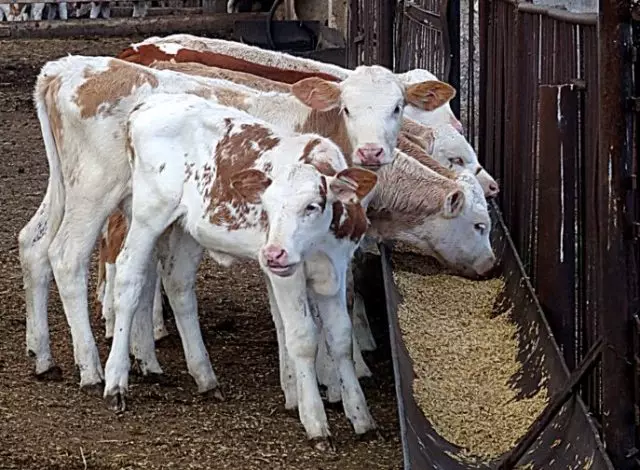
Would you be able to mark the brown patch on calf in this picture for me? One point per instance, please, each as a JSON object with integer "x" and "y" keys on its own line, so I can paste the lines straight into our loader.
{"x": 110, "y": 86}
{"x": 323, "y": 166}
{"x": 234, "y": 153}
{"x": 323, "y": 192}
{"x": 144, "y": 54}
{"x": 329, "y": 124}
{"x": 242, "y": 78}
{"x": 354, "y": 224}
{"x": 148, "y": 53}
{"x": 110, "y": 246}
{"x": 232, "y": 98}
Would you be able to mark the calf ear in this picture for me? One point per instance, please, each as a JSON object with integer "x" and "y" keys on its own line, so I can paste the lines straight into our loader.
{"x": 429, "y": 95}
{"x": 456, "y": 124}
{"x": 317, "y": 93}
{"x": 353, "y": 184}
{"x": 250, "y": 184}
{"x": 453, "y": 204}
{"x": 425, "y": 141}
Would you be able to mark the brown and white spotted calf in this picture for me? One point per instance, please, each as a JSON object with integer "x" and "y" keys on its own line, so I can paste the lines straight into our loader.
{"x": 450, "y": 147}
{"x": 222, "y": 180}
{"x": 82, "y": 105}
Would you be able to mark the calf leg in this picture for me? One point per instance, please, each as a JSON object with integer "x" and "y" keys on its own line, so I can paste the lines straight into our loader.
{"x": 362, "y": 330}
{"x": 36, "y": 11}
{"x": 159, "y": 329}
{"x": 287, "y": 369}
{"x": 142, "y": 343}
{"x": 108, "y": 312}
{"x": 62, "y": 10}
{"x": 181, "y": 257}
{"x": 133, "y": 267}
{"x": 69, "y": 253}
{"x": 139, "y": 9}
{"x": 336, "y": 322}
{"x": 34, "y": 240}
{"x": 301, "y": 339}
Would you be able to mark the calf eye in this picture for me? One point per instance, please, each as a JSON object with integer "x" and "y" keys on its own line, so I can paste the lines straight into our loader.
{"x": 480, "y": 228}
{"x": 312, "y": 208}
{"x": 457, "y": 161}
{"x": 345, "y": 111}
{"x": 396, "y": 110}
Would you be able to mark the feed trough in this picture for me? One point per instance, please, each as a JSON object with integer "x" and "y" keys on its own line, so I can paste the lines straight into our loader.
{"x": 559, "y": 436}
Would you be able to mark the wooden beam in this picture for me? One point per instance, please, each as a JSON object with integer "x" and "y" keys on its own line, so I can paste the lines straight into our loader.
{"x": 197, "y": 24}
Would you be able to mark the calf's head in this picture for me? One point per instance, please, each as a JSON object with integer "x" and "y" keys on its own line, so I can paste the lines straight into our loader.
{"x": 459, "y": 236}
{"x": 370, "y": 103}
{"x": 298, "y": 202}
{"x": 450, "y": 148}
{"x": 446, "y": 218}
{"x": 442, "y": 115}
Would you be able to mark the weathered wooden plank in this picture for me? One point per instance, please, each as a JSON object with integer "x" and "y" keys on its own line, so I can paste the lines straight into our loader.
{"x": 194, "y": 24}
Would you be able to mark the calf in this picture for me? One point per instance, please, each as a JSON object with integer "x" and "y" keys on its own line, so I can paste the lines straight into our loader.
{"x": 242, "y": 189}
{"x": 82, "y": 103}
{"x": 449, "y": 145}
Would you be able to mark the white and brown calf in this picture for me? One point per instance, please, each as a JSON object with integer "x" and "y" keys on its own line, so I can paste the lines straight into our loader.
{"x": 449, "y": 146}
{"x": 429, "y": 207}
{"x": 240, "y": 188}
{"x": 82, "y": 105}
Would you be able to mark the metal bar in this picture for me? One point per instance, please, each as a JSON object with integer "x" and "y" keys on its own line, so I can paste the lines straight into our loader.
{"x": 556, "y": 14}
{"x": 550, "y": 411}
{"x": 613, "y": 302}
{"x": 451, "y": 35}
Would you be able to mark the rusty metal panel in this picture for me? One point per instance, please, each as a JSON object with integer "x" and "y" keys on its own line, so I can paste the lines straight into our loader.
{"x": 613, "y": 278}
{"x": 424, "y": 37}
{"x": 370, "y": 29}
{"x": 557, "y": 255}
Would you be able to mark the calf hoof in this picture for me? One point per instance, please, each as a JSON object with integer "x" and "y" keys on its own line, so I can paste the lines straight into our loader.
{"x": 323, "y": 444}
{"x": 154, "y": 378}
{"x": 53, "y": 374}
{"x": 160, "y": 334}
{"x": 151, "y": 369}
{"x": 95, "y": 390}
{"x": 215, "y": 393}
{"x": 371, "y": 435}
{"x": 116, "y": 402}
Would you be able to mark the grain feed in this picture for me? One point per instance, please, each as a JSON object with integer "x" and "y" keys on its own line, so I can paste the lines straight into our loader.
{"x": 463, "y": 357}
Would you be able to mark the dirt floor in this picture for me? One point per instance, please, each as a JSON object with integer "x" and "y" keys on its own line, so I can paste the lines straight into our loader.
{"x": 54, "y": 425}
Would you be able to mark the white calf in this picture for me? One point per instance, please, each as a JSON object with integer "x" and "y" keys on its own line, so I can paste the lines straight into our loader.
{"x": 241, "y": 189}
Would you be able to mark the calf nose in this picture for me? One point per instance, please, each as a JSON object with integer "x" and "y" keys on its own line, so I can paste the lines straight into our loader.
{"x": 370, "y": 154}
{"x": 275, "y": 255}
{"x": 494, "y": 189}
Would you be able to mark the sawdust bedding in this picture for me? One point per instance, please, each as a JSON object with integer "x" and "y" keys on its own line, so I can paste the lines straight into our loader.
{"x": 464, "y": 356}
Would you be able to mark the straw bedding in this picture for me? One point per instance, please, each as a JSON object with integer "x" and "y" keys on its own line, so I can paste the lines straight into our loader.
{"x": 463, "y": 356}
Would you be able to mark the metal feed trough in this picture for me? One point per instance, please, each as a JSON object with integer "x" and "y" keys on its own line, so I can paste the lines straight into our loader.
{"x": 563, "y": 437}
